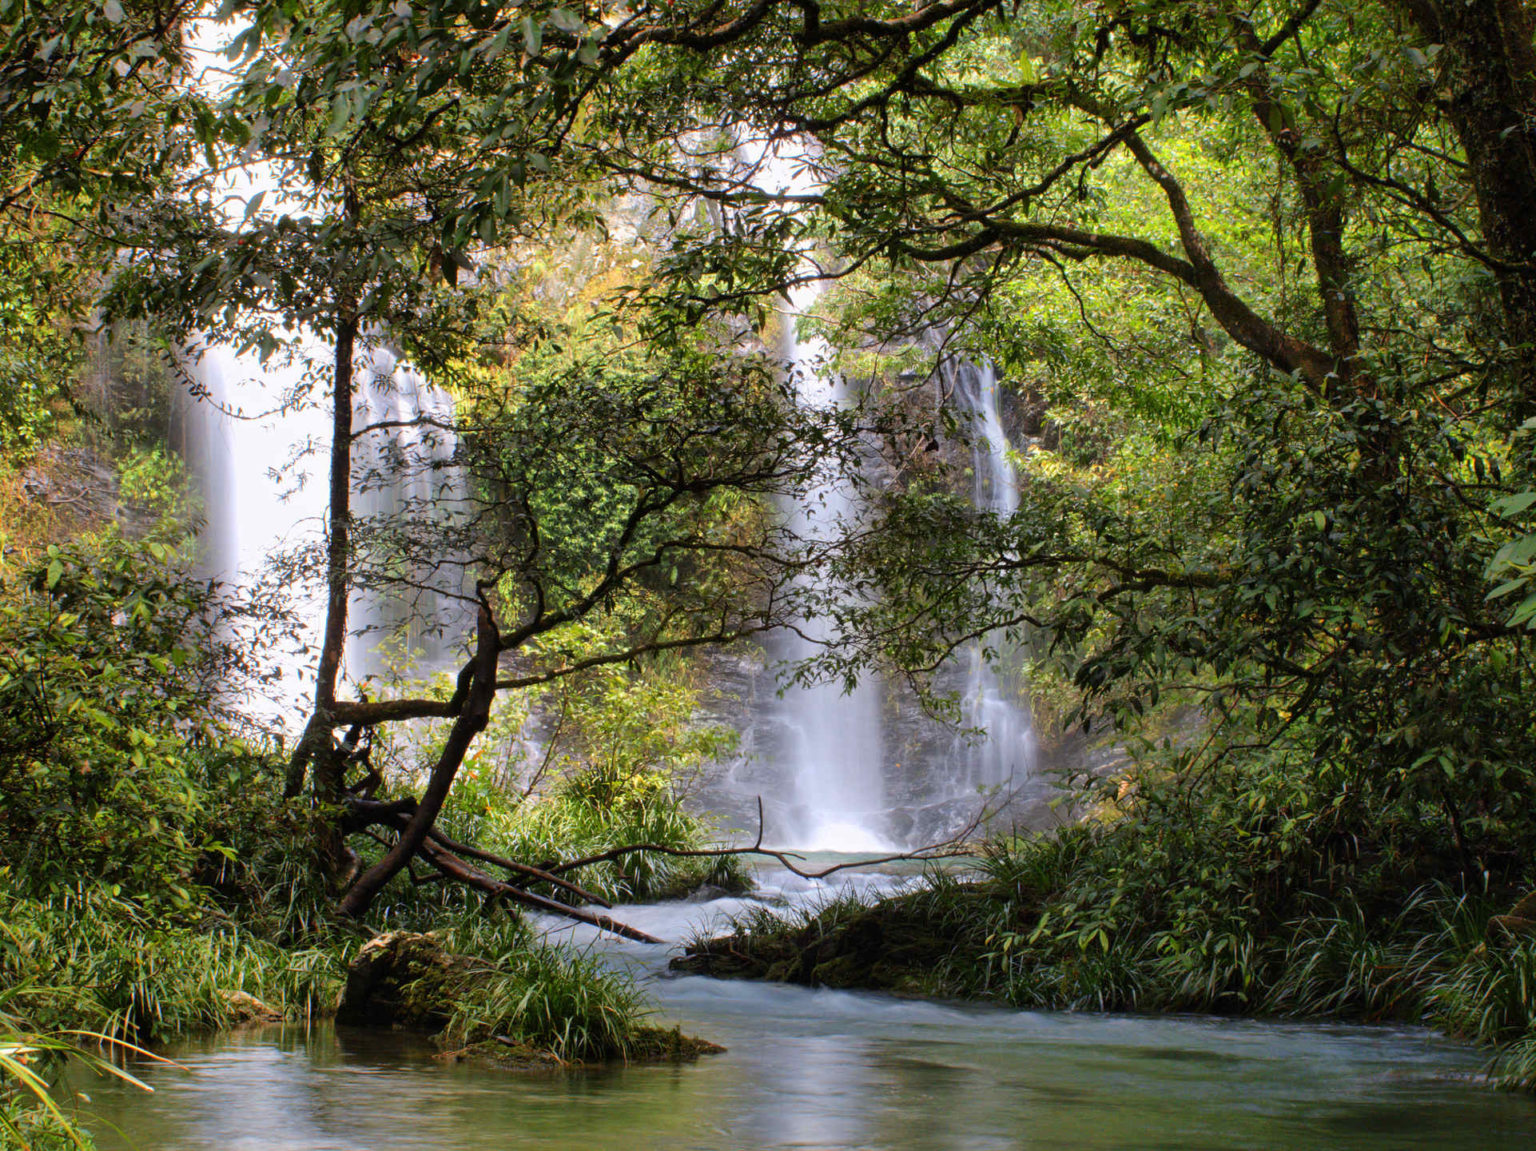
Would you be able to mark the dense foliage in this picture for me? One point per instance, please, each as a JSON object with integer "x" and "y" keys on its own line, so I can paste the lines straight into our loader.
{"x": 1259, "y": 279}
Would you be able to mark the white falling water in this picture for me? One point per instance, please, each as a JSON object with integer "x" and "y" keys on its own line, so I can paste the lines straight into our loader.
{"x": 995, "y": 753}
{"x": 259, "y": 442}
{"x": 260, "y": 447}
{"x": 833, "y": 741}
{"x": 866, "y": 770}
{"x": 405, "y": 479}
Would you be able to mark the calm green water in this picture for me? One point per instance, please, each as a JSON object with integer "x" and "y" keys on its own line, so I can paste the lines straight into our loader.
{"x": 828, "y": 1069}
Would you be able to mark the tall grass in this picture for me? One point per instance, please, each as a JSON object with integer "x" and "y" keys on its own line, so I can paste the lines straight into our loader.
{"x": 1096, "y": 918}
{"x": 549, "y": 998}
{"x": 86, "y": 958}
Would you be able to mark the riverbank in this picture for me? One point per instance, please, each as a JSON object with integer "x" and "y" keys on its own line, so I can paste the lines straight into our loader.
{"x": 87, "y": 976}
{"x": 1060, "y": 923}
{"x": 831, "y": 1069}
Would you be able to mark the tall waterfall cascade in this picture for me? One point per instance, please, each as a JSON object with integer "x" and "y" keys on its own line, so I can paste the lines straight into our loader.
{"x": 259, "y": 448}
{"x": 869, "y": 769}
{"x": 995, "y": 753}
{"x": 832, "y": 742}
{"x": 861, "y": 770}
{"x": 258, "y": 443}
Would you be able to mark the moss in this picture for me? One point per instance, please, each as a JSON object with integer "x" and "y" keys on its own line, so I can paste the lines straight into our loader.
{"x": 506, "y": 1055}
{"x": 661, "y": 1045}
{"x": 402, "y": 979}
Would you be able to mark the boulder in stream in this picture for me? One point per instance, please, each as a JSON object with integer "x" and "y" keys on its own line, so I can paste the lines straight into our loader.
{"x": 401, "y": 979}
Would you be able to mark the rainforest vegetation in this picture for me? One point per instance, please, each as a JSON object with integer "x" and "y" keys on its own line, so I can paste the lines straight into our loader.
{"x": 1259, "y": 281}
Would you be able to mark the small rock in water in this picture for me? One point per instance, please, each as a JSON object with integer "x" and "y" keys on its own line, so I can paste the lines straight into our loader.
{"x": 246, "y": 1008}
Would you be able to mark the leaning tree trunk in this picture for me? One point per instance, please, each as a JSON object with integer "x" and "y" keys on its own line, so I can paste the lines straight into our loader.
{"x": 469, "y": 723}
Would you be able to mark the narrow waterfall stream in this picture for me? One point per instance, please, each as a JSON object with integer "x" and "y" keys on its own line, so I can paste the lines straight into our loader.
{"x": 994, "y": 756}
{"x": 831, "y": 743}
{"x": 831, "y": 1070}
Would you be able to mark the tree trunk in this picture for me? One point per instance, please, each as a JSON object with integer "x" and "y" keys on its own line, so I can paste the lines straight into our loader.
{"x": 1492, "y": 106}
{"x": 315, "y": 746}
{"x": 469, "y": 723}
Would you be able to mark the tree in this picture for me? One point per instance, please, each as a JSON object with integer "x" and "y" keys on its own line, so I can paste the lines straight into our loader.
{"x": 91, "y": 111}
{"x": 1328, "y": 580}
{"x": 961, "y": 146}
{"x": 606, "y": 466}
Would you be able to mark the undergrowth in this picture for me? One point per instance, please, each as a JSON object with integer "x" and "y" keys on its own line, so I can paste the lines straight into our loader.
{"x": 550, "y": 998}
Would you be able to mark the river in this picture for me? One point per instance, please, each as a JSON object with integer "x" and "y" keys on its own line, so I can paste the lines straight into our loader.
{"x": 831, "y": 1069}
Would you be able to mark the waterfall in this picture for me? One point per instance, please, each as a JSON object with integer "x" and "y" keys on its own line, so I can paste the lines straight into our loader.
{"x": 409, "y": 489}
{"x": 995, "y": 754}
{"x": 258, "y": 443}
{"x": 869, "y": 769}
{"x": 860, "y": 770}
{"x": 831, "y": 742}
{"x": 257, "y": 439}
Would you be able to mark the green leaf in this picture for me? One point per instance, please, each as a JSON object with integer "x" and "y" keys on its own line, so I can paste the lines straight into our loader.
{"x": 1515, "y": 504}
{"x": 341, "y": 112}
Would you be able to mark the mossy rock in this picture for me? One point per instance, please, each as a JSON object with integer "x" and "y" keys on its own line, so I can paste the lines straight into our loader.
{"x": 244, "y": 1008}
{"x": 505, "y": 1055}
{"x": 406, "y": 979}
{"x": 844, "y": 971}
{"x": 661, "y": 1045}
{"x": 401, "y": 979}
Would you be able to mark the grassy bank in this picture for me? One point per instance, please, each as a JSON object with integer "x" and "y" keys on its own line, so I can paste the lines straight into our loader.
{"x": 1178, "y": 901}
{"x": 88, "y": 972}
